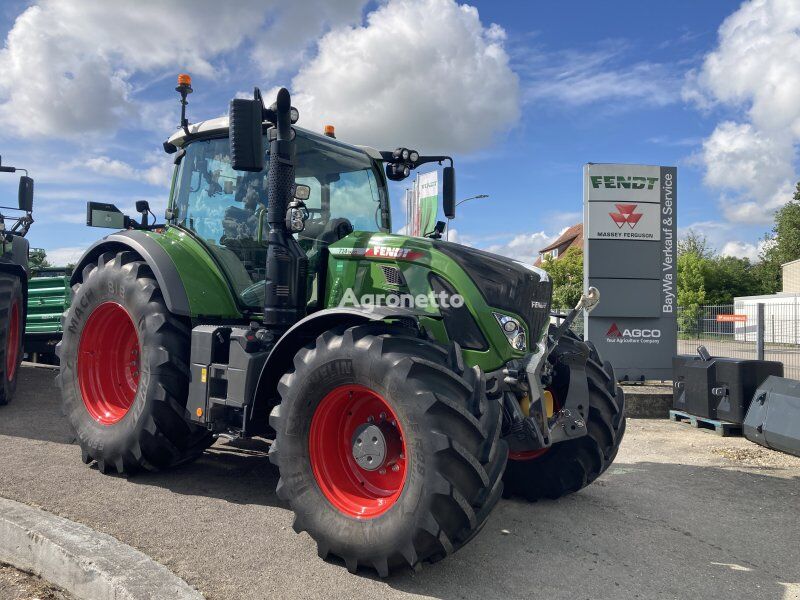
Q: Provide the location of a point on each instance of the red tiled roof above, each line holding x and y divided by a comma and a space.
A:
573, 234
571, 238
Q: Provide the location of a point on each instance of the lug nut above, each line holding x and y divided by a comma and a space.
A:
395, 467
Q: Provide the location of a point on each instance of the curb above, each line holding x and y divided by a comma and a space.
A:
86, 563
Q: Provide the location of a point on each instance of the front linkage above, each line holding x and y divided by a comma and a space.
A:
530, 378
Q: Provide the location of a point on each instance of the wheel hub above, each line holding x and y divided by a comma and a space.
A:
376, 446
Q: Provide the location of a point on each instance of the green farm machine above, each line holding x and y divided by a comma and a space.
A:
13, 282
405, 383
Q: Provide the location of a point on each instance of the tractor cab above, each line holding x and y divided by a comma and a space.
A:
226, 209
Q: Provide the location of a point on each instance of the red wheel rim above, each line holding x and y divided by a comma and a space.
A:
108, 363
12, 341
341, 428
534, 454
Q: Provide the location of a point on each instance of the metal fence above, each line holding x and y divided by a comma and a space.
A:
766, 329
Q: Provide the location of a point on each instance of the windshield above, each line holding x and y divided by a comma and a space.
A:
227, 208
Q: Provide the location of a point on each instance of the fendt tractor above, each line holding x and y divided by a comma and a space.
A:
14, 282
391, 421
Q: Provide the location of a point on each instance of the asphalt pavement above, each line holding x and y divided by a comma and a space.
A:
682, 513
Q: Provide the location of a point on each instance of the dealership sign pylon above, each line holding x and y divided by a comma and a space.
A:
630, 255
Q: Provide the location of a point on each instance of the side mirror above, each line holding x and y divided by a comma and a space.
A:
247, 140
99, 214
26, 194
449, 192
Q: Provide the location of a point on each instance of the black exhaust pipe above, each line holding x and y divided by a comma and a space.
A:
287, 263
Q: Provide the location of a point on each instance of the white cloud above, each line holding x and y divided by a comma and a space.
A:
741, 250
60, 257
525, 246
420, 73
157, 174
68, 67
755, 68
579, 78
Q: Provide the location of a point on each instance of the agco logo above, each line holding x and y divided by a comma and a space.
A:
626, 214
635, 334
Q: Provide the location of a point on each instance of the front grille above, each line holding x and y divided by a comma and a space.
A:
505, 284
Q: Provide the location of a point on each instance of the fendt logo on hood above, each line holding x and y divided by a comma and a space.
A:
626, 214
636, 335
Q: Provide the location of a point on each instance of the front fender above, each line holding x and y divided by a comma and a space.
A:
165, 271
192, 284
282, 354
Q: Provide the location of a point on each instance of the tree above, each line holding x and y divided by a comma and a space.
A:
37, 258
695, 242
691, 289
566, 273
782, 244
726, 277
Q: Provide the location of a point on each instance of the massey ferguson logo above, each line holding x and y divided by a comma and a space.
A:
626, 213
646, 336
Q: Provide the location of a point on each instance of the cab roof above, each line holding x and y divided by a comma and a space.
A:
220, 124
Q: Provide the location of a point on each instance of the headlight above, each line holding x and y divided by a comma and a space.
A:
513, 331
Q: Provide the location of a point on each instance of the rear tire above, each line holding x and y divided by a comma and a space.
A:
569, 466
451, 462
124, 370
12, 326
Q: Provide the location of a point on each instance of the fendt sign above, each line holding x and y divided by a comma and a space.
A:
629, 255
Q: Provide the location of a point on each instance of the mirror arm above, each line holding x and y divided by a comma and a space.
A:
387, 156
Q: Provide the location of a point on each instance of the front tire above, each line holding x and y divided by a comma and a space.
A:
12, 325
571, 465
437, 470
123, 370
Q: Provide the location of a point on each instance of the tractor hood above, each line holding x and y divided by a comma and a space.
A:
506, 284
490, 285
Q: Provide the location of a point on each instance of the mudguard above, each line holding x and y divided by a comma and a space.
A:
164, 269
282, 354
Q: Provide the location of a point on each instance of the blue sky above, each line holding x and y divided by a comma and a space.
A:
523, 93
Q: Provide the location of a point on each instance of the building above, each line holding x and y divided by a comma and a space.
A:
791, 277
571, 238
781, 311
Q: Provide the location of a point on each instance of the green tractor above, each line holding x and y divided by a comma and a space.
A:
404, 382
14, 283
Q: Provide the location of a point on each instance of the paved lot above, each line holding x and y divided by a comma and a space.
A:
681, 514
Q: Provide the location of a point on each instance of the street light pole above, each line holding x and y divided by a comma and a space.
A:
447, 231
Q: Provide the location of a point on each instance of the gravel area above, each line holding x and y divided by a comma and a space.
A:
19, 585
